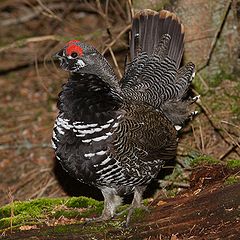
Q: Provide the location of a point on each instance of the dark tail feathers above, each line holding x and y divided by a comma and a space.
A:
151, 30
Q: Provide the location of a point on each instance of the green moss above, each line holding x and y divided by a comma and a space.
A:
199, 86
39, 209
235, 108
233, 163
82, 202
203, 159
232, 180
138, 214
216, 79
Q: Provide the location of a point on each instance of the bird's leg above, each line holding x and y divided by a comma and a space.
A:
111, 202
136, 202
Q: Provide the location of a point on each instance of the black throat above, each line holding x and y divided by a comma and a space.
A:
86, 97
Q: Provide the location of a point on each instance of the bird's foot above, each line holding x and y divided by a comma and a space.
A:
102, 218
130, 211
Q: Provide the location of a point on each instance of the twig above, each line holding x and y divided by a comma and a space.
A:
231, 124
131, 8
115, 62
116, 38
24, 145
216, 37
40, 79
22, 42
34, 12
208, 115
49, 12
203, 82
12, 208
177, 184
49, 183
195, 137
201, 137
104, 15
230, 136
229, 150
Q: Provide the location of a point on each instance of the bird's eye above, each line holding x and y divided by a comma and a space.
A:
74, 54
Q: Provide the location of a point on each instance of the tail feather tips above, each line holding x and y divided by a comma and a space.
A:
150, 27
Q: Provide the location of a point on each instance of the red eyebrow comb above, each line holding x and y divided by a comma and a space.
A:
72, 47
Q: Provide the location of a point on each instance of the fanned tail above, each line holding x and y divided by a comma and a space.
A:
153, 75
150, 29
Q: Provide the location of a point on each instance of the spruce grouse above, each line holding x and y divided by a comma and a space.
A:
117, 135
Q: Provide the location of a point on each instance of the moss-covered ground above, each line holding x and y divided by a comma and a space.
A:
48, 211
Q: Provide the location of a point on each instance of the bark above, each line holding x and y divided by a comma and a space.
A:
210, 213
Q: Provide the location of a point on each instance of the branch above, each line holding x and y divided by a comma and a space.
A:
23, 42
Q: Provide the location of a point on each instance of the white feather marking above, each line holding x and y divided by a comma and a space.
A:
115, 125
85, 126
81, 63
80, 135
53, 145
196, 98
109, 174
110, 121
59, 129
177, 127
64, 123
101, 153
105, 126
76, 122
89, 155
97, 139
90, 131
105, 161
54, 136
104, 169
194, 113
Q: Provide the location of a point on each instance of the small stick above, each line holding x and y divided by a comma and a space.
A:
49, 12
216, 37
12, 208
40, 79
131, 8
117, 37
229, 150
115, 62
22, 42
177, 184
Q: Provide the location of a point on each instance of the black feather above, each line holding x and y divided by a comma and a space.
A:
151, 26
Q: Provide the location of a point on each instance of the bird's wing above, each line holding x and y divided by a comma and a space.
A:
145, 140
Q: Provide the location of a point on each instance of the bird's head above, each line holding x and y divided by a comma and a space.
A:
78, 57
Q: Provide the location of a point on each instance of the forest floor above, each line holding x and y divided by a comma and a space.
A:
208, 153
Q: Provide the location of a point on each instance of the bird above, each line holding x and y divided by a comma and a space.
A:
118, 134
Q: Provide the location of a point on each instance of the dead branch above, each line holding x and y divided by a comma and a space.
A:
23, 42
216, 37
115, 62
116, 38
